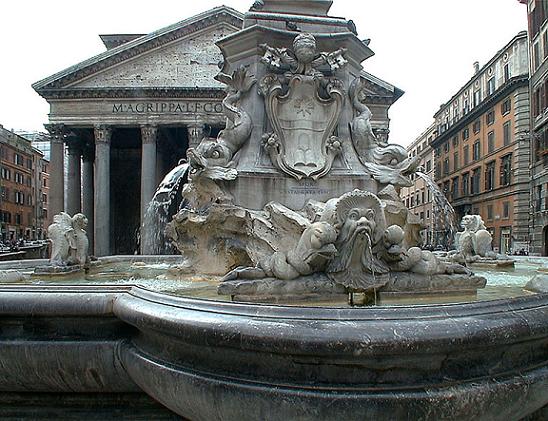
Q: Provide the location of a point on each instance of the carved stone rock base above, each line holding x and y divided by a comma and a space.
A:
58, 270
401, 285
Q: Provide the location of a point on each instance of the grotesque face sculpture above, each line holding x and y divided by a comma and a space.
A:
304, 47
209, 153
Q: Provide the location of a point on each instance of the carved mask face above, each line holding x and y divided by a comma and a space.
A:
209, 153
467, 221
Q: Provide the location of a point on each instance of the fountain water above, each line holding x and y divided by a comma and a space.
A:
445, 218
161, 208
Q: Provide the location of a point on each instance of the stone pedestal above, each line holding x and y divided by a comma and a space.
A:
103, 136
148, 176
74, 187
57, 168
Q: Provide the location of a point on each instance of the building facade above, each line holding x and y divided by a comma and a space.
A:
128, 115
482, 148
538, 47
418, 197
24, 187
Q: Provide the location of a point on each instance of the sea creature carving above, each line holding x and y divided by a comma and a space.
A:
386, 163
69, 240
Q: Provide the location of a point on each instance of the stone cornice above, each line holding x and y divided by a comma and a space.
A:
138, 46
123, 93
505, 90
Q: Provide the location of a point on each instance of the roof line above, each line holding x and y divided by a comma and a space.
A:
131, 44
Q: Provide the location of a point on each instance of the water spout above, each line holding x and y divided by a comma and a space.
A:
443, 214
161, 209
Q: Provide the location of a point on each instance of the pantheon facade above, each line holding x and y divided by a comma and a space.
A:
128, 115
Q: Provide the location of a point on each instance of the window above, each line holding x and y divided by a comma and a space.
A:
465, 183
476, 181
422, 216
507, 134
44, 198
491, 86
19, 178
6, 173
455, 188
455, 141
446, 166
490, 117
427, 213
19, 198
506, 72
446, 147
490, 141
45, 184
476, 150
477, 97
536, 56
506, 106
422, 196
465, 154
506, 209
29, 164
465, 134
538, 204
489, 212
506, 170
456, 163
490, 176
428, 166
476, 126
18, 219
18, 159
412, 201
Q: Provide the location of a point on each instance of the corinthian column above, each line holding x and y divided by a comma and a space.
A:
74, 186
87, 193
148, 179
57, 168
102, 190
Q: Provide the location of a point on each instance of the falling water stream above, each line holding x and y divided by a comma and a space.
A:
443, 214
160, 210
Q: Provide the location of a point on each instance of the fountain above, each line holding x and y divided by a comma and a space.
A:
294, 203
442, 211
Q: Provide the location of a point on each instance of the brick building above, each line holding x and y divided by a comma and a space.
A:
24, 186
418, 198
482, 150
537, 12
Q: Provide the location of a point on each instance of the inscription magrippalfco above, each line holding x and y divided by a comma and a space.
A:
167, 107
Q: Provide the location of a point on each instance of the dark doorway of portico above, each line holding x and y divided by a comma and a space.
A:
545, 241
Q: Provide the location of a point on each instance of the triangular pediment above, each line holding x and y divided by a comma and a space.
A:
378, 88
181, 55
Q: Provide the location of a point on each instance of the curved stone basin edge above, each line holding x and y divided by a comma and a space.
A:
487, 359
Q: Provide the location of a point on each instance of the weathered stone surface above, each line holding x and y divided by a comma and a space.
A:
539, 283
459, 361
408, 282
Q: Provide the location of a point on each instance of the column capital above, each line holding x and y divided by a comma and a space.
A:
57, 132
195, 132
149, 133
103, 133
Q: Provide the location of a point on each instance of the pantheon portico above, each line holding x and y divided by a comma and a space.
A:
127, 115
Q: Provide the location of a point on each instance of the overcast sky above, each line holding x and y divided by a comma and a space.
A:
425, 47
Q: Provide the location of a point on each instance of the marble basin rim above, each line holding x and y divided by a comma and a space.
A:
207, 359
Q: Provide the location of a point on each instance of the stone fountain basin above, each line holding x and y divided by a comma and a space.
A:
213, 360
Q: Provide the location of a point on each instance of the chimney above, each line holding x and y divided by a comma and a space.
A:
476, 67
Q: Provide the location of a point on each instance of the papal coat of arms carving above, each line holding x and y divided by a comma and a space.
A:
303, 105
